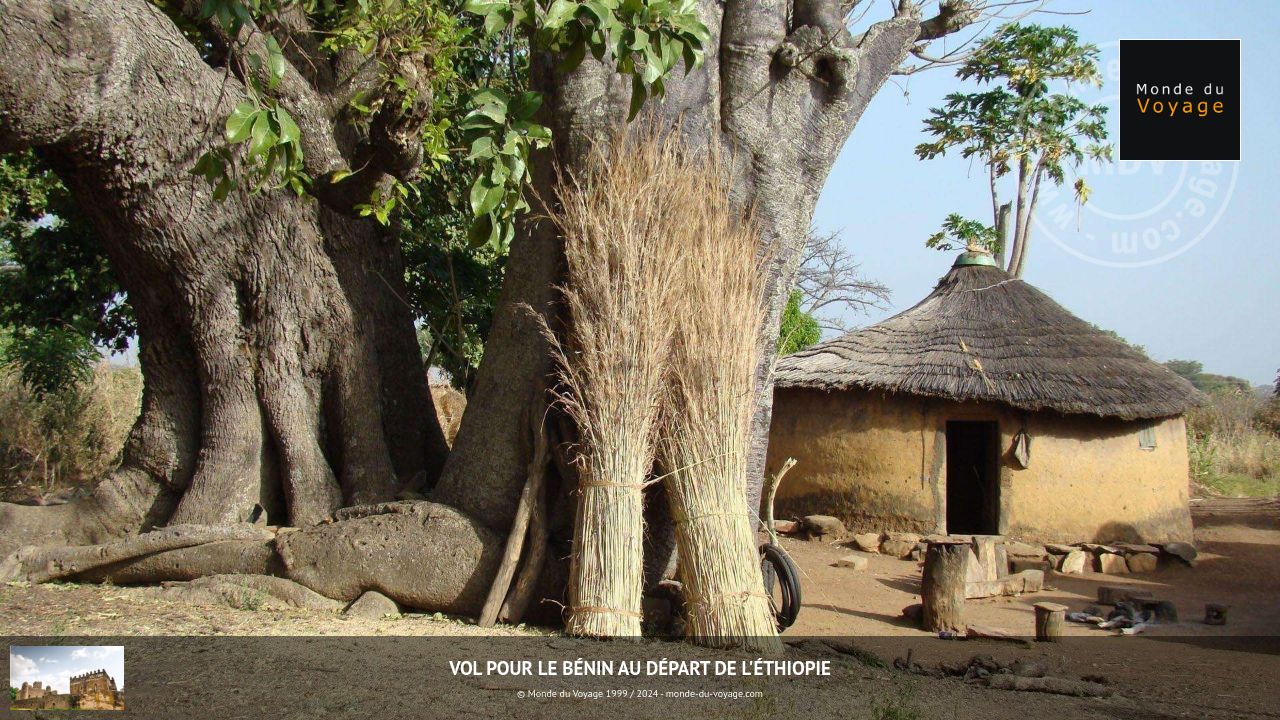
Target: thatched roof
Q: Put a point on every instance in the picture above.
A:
(983, 335)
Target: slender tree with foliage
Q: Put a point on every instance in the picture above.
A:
(1019, 128)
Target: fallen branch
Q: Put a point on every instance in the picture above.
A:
(520, 526)
(770, 491)
(530, 574)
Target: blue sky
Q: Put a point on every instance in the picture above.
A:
(53, 665)
(1202, 289)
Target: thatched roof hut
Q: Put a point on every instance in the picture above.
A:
(984, 336)
(969, 377)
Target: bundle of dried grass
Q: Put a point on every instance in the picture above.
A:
(718, 314)
(614, 217)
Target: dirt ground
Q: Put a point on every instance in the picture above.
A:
(1186, 669)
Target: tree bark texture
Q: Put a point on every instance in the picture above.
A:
(781, 89)
(280, 365)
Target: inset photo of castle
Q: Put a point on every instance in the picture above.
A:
(66, 677)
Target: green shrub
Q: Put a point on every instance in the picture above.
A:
(1233, 445)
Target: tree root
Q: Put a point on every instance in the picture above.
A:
(248, 592)
(43, 563)
(420, 554)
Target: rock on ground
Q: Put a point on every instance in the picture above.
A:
(372, 605)
(820, 526)
(853, 562)
(1142, 562)
(867, 542)
(1110, 564)
(1073, 563)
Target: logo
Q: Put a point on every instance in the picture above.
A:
(1141, 211)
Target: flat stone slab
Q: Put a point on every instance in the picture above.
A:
(1022, 549)
(853, 562)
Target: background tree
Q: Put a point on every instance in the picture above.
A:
(58, 295)
(1193, 372)
(832, 285)
(1019, 128)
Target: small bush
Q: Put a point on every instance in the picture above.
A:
(1233, 444)
(66, 439)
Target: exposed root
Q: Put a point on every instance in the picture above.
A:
(248, 592)
(420, 554)
(44, 563)
(229, 557)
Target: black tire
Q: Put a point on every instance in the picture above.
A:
(778, 568)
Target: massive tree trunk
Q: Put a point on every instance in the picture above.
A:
(281, 370)
(781, 89)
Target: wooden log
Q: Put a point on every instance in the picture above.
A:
(1049, 621)
(943, 587)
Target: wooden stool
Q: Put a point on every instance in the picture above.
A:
(942, 587)
(1049, 619)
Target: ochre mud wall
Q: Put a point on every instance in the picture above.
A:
(879, 463)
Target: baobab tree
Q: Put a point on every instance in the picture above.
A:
(282, 375)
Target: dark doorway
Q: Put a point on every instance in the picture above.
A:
(973, 478)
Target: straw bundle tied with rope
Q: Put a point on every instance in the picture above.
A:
(614, 218)
(706, 420)
(663, 308)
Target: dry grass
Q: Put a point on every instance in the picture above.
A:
(450, 404)
(1233, 444)
(664, 309)
(614, 218)
(67, 440)
(719, 311)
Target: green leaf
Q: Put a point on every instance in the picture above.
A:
(484, 196)
(240, 121)
(222, 189)
(262, 138)
(289, 132)
(639, 40)
(482, 148)
(637, 97)
(573, 57)
(476, 121)
(560, 12)
(340, 175)
(526, 104)
(275, 62)
(480, 230)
